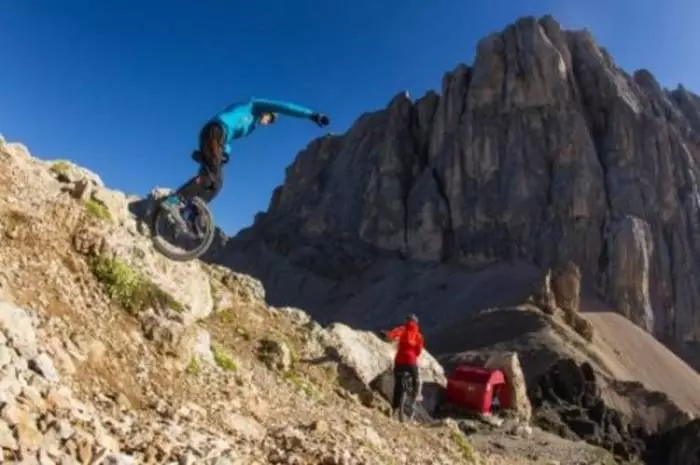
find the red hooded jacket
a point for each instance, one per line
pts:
(410, 343)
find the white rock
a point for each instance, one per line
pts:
(371, 436)
(245, 426)
(10, 387)
(509, 364)
(18, 327)
(202, 347)
(5, 356)
(114, 201)
(43, 365)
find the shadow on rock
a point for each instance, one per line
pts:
(431, 393)
(678, 446)
(567, 401)
(143, 210)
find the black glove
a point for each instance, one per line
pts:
(320, 119)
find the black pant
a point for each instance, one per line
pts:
(399, 371)
(210, 156)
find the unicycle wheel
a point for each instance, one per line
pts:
(183, 233)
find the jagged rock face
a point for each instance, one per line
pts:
(631, 246)
(566, 286)
(568, 400)
(683, 445)
(544, 150)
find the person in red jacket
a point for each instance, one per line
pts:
(410, 347)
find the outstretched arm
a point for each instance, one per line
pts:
(285, 108)
(395, 333)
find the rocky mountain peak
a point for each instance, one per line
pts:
(542, 151)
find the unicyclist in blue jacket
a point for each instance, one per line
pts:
(233, 122)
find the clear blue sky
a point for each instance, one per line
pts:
(122, 87)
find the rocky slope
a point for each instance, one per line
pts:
(111, 354)
(541, 152)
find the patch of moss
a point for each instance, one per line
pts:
(293, 356)
(223, 360)
(193, 367)
(301, 384)
(226, 315)
(60, 167)
(129, 289)
(96, 210)
(465, 448)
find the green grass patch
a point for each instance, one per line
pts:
(226, 315)
(465, 448)
(129, 289)
(96, 210)
(60, 167)
(194, 368)
(223, 360)
(301, 384)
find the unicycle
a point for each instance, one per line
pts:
(407, 401)
(193, 233)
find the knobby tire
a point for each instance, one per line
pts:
(197, 251)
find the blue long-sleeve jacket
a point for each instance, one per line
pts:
(239, 119)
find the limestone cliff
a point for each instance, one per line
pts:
(543, 151)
